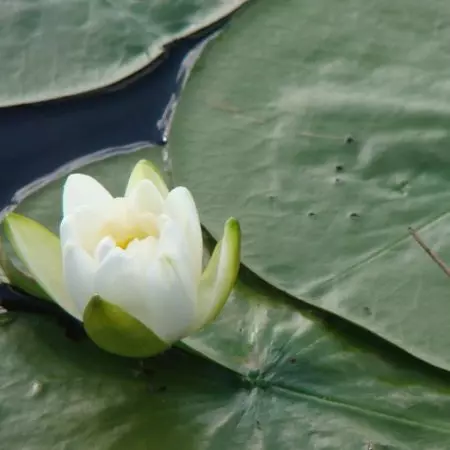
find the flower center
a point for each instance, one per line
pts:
(125, 240)
(123, 233)
(125, 225)
(122, 236)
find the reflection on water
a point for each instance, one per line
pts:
(41, 198)
(103, 136)
(43, 141)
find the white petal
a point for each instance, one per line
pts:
(152, 294)
(83, 190)
(103, 248)
(148, 223)
(145, 170)
(173, 245)
(173, 310)
(82, 227)
(144, 250)
(78, 269)
(145, 198)
(180, 206)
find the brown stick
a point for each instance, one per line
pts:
(430, 252)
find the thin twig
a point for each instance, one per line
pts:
(430, 252)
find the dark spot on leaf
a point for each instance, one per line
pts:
(312, 214)
(258, 424)
(338, 180)
(354, 215)
(349, 139)
(367, 310)
(74, 334)
(339, 168)
(148, 371)
(403, 186)
(293, 360)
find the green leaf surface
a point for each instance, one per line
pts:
(284, 380)
(279, 376)
(50, 49)
(323, 127)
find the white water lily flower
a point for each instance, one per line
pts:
(130, 267)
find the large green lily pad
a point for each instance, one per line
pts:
(269, 373)
(276, 378)
(51, 49)
(324, 128)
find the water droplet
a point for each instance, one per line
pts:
(36, 388)
(165, 155)
(403, 187)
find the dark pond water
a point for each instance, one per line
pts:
(36, 140)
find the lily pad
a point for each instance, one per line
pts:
(51, 49)
(276, 377)
(323, 127)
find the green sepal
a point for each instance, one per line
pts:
(115, 331)
(145, 170)
(19, 279)
(220, 275)
(40, 251)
